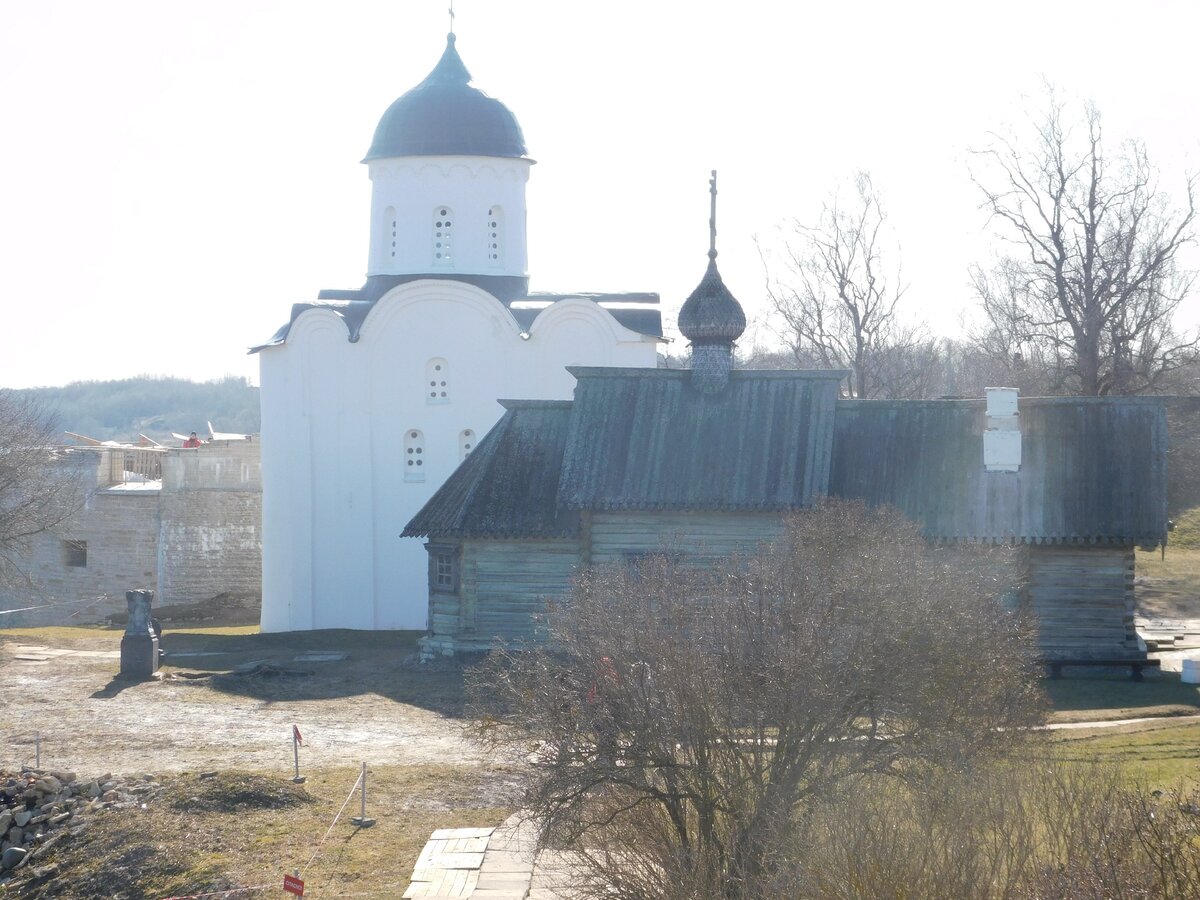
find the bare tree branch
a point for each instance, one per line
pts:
(836, 304)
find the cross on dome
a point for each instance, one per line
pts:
(711, 315)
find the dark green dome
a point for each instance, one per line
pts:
(711, 315)
(445, 116)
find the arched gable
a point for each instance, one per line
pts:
(318, 321)
(401, 299)
(580, 311)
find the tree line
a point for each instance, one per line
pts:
(156, 407)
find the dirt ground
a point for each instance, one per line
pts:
(220, 718)
(226, 698)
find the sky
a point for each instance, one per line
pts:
(173, 177)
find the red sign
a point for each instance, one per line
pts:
(293, 885)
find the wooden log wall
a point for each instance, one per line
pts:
(616, 535)
(503, 587)
(1083, 598)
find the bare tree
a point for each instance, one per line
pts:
(990, 358)
(685, 717)
(836, 303)
(38, 491)
(1094, 280)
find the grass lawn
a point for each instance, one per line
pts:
(64, 635)
(1162, 754)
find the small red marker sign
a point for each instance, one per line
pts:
(293, 885)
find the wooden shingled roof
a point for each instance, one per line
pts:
(647, 439)
(1093, 469)
(508, 486)
(641, 439)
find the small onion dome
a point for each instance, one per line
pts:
(712, 315)
(445, 116)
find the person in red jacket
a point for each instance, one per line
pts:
(192, 440)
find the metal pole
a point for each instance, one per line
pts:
(361, 820)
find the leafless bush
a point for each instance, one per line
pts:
(685, 720)
(1042, 830)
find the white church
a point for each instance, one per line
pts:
(372, 397)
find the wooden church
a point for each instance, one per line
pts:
(712, 460)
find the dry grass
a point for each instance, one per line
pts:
(96, 637)
(1169, 586)
(248, 825)
(241, 829)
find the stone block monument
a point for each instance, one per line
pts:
(139, 644)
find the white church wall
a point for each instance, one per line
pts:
(344, 424)
(334, 460)
(281, 494)
(408, 195)
(577, 332)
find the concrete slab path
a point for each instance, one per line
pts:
(500, 863)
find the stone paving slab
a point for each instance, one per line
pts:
(488, 864)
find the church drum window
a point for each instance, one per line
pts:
(466, 443)
(437, 381)
(414, 455)
(494, 244)
(443, 235)
(390, 218)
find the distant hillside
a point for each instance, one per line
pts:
(155, 407)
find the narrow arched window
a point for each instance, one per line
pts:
(389, 221)
(466, 443)
(495, 236)
(437, 381)
(414, 455)
(443, 235)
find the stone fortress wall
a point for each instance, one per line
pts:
(210, 523)
(191, 535)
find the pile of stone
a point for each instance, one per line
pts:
(39, 809)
